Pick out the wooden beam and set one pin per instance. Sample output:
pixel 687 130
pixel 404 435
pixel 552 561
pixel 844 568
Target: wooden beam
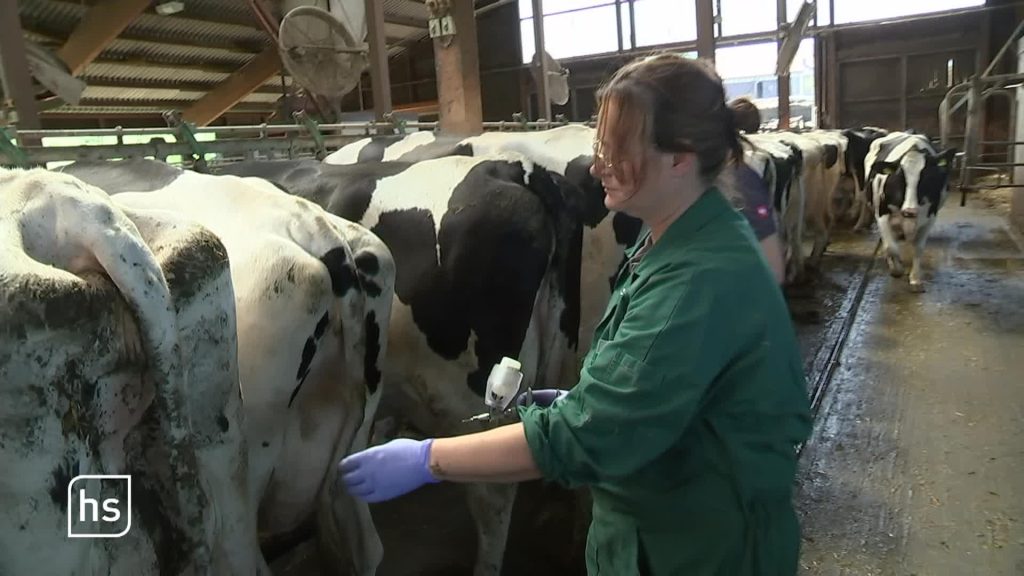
pixel 706 30
pixel 783 81
pixel 380 80
pixel 458 74
pixel 16 80
pixel 237 86
pixel 104 21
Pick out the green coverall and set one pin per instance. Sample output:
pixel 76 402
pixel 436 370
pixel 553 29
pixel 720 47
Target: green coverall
pixel 688 409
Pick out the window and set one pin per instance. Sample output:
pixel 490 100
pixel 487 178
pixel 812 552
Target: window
pixel 578 33
pixel 662 22
pixel 860 10
pixel 584 27
pixel 747 16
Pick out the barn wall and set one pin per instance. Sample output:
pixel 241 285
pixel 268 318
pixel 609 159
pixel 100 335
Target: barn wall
pixel 895 75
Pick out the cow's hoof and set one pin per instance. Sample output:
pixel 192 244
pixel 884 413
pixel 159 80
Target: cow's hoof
pixel 895 267
pixel 917 287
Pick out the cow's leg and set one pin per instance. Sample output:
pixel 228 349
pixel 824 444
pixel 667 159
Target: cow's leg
pixel 889 245
pixel 343 519
pixel 919 240
pixel 794 231
pixel 862 210
pixel 491 507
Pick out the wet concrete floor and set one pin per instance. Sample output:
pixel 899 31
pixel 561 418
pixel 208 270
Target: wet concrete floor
pixel 916 465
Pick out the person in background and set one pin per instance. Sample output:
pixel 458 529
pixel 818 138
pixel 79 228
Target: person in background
pixel 750 194
pixel 692 399
pixel 747 116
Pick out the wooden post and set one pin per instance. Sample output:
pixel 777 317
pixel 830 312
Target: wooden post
pixel 706 30
pixel 458 74
pixel 380 80
pixel 543 101
pixel 783 80
pixel 17 80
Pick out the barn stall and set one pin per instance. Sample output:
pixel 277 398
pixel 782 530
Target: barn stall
pixel 913 465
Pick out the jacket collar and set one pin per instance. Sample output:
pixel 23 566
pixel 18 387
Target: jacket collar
pixel 707 208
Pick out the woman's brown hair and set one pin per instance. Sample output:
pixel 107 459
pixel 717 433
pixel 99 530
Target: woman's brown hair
pixel 671 103
pixel 748 117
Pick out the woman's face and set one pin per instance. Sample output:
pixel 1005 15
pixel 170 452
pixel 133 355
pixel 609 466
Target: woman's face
pixel 623 193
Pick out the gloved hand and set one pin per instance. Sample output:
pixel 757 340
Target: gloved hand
pixel 543 397
pixel 389 470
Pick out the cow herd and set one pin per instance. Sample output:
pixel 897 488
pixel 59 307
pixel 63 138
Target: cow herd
pixel 227 338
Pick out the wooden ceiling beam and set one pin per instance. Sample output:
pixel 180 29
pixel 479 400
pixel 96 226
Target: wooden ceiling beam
pixel 240 84
pixel 101 24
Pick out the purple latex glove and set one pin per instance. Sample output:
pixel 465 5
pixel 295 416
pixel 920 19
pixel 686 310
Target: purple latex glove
pixel 543 397
pixel 389 470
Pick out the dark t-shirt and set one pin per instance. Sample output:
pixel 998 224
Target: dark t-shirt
pixel 754 201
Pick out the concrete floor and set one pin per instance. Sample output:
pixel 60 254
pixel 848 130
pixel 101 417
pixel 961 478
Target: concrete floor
pixel 916 465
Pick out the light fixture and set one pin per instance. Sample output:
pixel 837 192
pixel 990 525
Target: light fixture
pixel 168 8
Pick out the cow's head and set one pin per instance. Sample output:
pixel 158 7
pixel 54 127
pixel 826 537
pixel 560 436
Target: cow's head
pixel 922 174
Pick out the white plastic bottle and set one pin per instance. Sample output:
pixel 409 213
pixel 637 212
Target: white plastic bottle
pixel 503 384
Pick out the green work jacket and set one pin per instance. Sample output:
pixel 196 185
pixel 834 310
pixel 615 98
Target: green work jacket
pixel 688 410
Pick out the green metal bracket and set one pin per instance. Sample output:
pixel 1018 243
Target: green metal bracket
pixel 13 152
pixel 398 124
pixel 186 131
pixel 313 127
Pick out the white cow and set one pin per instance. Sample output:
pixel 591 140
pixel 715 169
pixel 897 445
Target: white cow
pixel 117 356
pixel 312 330
pixel 313 298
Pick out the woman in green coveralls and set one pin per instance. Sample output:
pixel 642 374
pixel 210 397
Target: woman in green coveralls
pixel 692 398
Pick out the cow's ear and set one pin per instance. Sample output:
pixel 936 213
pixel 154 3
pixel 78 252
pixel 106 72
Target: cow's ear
pixel 885 168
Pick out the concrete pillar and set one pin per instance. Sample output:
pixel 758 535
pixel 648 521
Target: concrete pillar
pixel 458 74
pixel 1017 199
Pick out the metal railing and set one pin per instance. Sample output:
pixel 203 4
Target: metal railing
pixel 305 138
pixel 974 93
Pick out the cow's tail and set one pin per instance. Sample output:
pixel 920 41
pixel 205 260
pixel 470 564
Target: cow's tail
pixel 560 286
pixel 363 311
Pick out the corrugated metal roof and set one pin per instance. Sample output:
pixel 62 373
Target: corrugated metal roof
pixel 64 16
pixel 114 72
pixel 153 26
pixel 122 49
pixel 196 48
pixel 406 8
pixel 87 110
pixel 117 93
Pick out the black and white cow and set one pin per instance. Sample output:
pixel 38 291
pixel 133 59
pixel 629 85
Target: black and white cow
pixel 488 257
pixel 859 142
pixel 117 356
pixel 313 295
pixel 412 147
pixel 567 151
pixel 908 182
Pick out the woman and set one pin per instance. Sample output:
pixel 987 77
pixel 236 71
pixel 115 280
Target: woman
pixel 692 397
pixel 751 193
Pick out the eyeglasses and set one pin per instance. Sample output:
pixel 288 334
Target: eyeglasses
pixel 601 160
